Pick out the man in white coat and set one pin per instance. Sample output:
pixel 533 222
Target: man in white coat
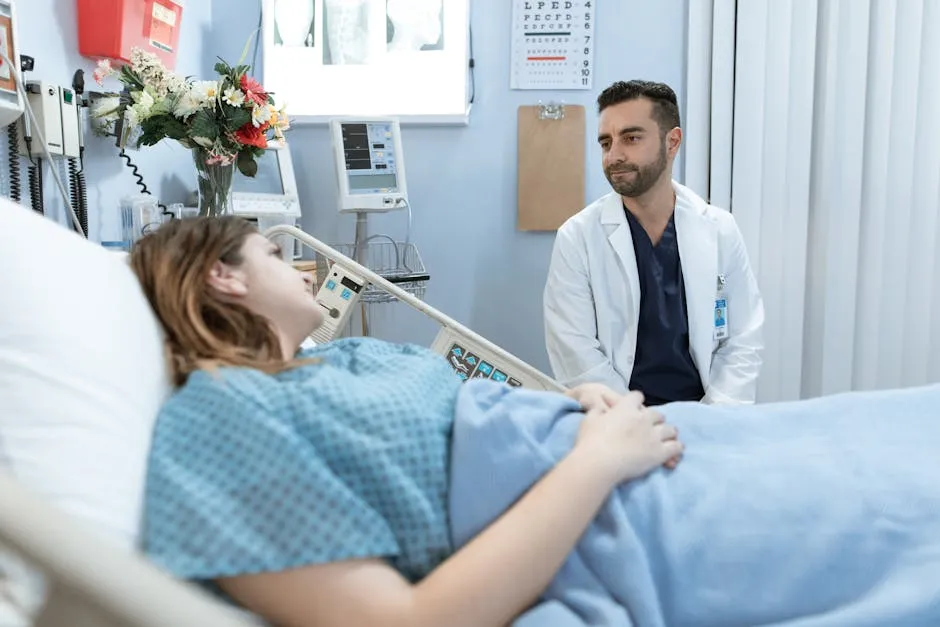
pixel 650 287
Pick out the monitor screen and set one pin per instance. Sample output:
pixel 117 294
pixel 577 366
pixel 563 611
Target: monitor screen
pixel 266 181
pixel 372 182
pixel 369 153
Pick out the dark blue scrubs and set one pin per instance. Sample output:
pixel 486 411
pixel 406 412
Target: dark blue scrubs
pixel 663 368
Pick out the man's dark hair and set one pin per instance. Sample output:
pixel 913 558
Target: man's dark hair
pixel 665 105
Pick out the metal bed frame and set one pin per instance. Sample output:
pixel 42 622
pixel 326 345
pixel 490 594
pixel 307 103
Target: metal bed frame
pixel 469 354
pixel 57 572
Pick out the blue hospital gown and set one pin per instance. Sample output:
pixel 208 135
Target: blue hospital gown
pixel 346 458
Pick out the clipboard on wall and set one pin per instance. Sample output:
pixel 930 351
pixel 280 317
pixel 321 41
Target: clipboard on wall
pixel 550 166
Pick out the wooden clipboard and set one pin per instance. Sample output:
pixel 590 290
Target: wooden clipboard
pixel 550 165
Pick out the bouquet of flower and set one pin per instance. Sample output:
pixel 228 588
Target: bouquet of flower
pixel 225 121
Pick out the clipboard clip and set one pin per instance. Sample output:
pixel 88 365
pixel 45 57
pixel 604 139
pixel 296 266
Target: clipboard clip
pixel 551 111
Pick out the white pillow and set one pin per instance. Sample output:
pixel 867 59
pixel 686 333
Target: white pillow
pixel 82 373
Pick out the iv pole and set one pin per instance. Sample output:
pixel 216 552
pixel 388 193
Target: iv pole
pixel 361 236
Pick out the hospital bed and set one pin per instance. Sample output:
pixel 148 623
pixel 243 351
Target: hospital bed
pixel 82 376
pixel 86 582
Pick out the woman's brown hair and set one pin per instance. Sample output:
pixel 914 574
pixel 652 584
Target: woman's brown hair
pixel 203 331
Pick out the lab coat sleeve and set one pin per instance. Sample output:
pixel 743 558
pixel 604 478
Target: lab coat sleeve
pixel 736 362
pixel 574 352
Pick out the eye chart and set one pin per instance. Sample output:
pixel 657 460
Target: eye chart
pixel 552 44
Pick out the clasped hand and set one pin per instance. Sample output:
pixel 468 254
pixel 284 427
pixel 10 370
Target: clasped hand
pixel 638 436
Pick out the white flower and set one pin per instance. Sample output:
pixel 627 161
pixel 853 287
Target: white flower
pixel 260 115
pixel 170 84
pixel 144 100
pixel 154 74
pixel 234 97
pixel 197 95
pixel 141 59
pixel 131 119
pixel 186 105
pixel 105 108
pixel 204 91
pixel 143 106
pixel 148 66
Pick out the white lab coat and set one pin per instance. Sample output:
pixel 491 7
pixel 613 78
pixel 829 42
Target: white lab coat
pixel 592 297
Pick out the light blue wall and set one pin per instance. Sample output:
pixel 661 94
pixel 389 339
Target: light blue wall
pixel 462 181
pixel 47 31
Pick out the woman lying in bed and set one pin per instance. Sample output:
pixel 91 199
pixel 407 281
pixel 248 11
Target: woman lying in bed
pixel 359 483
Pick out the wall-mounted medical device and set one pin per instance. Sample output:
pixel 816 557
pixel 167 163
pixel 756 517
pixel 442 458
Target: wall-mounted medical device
pixel 56 111
pixel 338 295
pixel 48 128
pixel 11 103
pixel 273 189
pixel 110 29
pixel 270 197
pixel 370 165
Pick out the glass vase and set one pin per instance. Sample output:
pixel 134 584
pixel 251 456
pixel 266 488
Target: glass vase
pixel 215 185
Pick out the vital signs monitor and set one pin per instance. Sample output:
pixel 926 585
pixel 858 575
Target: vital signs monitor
pixel 272 190
pixel 369 164
pixel 270 196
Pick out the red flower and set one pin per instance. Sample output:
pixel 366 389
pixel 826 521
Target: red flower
pixel 253 90
pixel 251 136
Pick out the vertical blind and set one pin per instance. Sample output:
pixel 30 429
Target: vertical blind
pixel 835 181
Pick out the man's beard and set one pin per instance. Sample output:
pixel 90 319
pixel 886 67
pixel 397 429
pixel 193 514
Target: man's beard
pixel 644 180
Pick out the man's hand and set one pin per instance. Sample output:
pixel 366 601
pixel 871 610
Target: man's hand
pixel 594 396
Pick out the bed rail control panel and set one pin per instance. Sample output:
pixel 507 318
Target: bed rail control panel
pixel 469 365
pixel 338 295
pixel 470 360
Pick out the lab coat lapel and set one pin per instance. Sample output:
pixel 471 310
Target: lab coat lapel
pixel 698 238
pixel 618 234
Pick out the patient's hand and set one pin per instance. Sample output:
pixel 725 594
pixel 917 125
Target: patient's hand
pixel 630 439
pixel 594 396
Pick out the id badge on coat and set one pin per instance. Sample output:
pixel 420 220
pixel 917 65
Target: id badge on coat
pixel 721 311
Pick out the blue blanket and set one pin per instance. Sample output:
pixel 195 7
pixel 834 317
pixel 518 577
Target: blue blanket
pixel 817 513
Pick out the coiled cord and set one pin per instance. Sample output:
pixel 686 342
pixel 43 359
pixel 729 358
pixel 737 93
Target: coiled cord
pixel 79 194
pixel 140 181
pixel 135 171
pixel 13 147
pixel 35 186
pixel 83 197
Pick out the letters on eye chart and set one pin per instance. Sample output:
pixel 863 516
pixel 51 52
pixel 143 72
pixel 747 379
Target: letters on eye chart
pixel 552 44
